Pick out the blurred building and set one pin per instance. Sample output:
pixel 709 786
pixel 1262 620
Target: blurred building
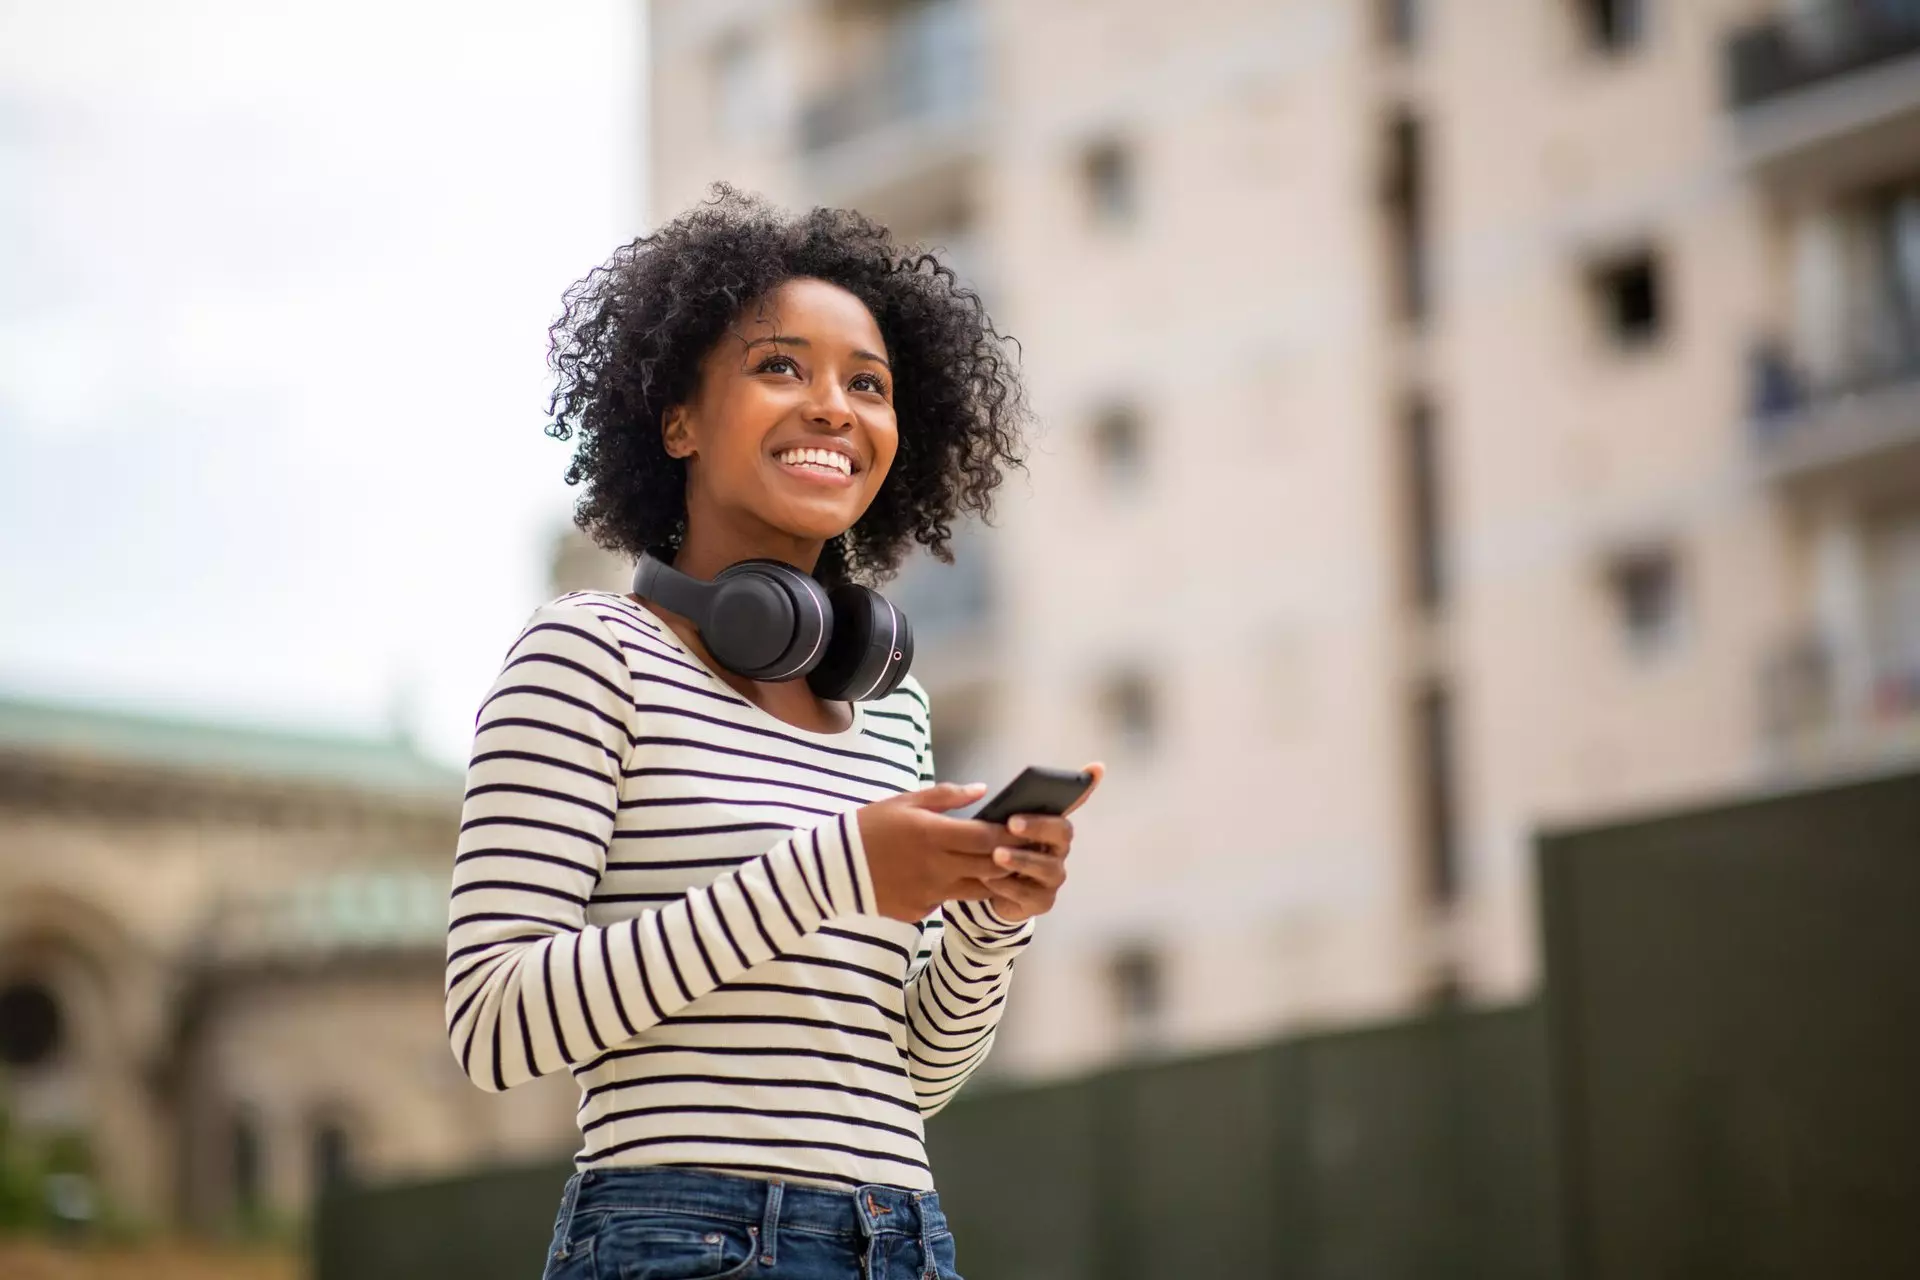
pixel 221 964
pixel 1458 419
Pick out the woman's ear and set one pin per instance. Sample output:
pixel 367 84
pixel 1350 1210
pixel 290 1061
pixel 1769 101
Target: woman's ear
pixel 676 433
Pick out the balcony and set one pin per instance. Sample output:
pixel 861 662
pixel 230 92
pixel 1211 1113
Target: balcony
pixel 910 113
pixel 1827 42
pixel 1828 97
pixel 1859 422
pixel 1818 718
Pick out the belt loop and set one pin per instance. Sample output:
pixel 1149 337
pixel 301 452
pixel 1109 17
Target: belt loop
pixel 563 1221
pixel 770 1224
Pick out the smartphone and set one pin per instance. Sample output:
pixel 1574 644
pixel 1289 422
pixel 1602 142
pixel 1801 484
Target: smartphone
pixel 1036 790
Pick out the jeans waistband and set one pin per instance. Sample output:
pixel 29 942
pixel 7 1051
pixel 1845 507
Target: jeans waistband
pixel 861 1212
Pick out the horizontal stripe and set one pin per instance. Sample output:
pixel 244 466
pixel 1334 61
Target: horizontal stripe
pixel 757 1113
pixel 762 784
pixel 645 858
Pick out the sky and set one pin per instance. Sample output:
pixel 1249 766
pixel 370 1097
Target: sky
pixel 275 280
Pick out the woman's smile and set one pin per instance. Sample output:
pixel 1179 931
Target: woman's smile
pixel 825 464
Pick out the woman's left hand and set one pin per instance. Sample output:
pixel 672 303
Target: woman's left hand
pixel 1040 866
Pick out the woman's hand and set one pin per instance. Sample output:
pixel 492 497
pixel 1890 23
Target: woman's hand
pixel 918 857
pixel 1036 869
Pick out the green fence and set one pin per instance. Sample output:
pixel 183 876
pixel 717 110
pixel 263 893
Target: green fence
pixel 1412 1150
pixel 1416 1150
pixel 1725 1082
pixel 1734 998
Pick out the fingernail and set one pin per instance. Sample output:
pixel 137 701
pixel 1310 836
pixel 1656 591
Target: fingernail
pixel 1017 825
pixel 1003 856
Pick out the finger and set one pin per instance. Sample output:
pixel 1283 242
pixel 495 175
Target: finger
pixel 970 891
pixel 973 866
pixel 943 796
pixel 1007 909
pixel 968 835
pixel 1044 830
pixel 1099 771
pixel 1028 898
pixel 1037 865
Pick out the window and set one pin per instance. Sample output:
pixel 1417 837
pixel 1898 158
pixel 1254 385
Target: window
pixel 1894 571
pixel 1433 732
pixel 1128 712
pixel 1399 23
pixel 1613 26
pixel 332 1155
pixel 30 1025
pixel 1118 445
pixel 1107 170
pixel 249 1164
pixel 1419 453
pixel 1645 586
pixel 1891 310
pixel 1137 985
pixel 1406 227
pixel 1628 299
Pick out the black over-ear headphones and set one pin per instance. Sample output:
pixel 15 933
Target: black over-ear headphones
pixel 766 620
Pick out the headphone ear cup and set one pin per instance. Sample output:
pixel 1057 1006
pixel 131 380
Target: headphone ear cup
pixel 869 651
pixel 767 621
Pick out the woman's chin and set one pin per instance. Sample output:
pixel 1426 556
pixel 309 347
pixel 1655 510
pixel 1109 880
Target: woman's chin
pixel 814 531
pixel 814 521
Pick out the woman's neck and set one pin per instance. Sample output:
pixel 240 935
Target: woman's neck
pixel 705 551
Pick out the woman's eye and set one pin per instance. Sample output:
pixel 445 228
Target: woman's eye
pixel 773 364
pixel 873 384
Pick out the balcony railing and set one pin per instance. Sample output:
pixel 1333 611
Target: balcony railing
pixel 1806 717
pixel 931 73
pixel 1832 39
pixel 1874 403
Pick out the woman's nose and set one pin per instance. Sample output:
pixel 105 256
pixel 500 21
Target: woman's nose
pixel 830 407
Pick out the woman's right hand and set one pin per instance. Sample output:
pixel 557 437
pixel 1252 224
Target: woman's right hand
pixel 918 857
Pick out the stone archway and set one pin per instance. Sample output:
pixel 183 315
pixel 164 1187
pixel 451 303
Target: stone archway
pixel 86 1041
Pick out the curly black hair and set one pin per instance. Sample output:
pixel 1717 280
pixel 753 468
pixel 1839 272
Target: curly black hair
pixel 629 344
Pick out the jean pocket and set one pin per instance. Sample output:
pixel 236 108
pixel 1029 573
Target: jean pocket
pixel 943 1263
pixel 671 1246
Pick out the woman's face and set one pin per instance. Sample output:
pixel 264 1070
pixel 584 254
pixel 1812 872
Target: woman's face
pixel 791 429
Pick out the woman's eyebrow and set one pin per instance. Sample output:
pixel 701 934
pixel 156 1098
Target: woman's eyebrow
pixel 788 340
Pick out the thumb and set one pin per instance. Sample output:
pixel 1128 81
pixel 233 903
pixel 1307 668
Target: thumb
pixel 1099 772
pixel 943 796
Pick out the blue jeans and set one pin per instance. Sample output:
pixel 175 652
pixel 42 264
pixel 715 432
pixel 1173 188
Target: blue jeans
pixel 681 1224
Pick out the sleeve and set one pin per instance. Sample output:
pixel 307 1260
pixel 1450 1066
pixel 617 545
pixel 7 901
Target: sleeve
pixel 957 989
pixel 531 987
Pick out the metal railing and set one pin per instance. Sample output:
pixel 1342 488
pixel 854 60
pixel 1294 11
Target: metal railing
pixel 1832 39
pixel 1784 400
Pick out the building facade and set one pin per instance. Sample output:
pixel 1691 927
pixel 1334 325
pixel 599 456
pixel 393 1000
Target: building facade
pixel 1456 419
pixel 221 966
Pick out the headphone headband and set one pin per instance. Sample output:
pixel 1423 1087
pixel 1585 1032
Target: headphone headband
pixel 654 578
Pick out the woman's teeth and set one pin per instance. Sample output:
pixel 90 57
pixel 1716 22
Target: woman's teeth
pixel 823 459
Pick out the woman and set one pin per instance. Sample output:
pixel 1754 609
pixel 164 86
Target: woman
pixel 732 906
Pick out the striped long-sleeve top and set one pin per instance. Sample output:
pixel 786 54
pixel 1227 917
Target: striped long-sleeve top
pixel 661 887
